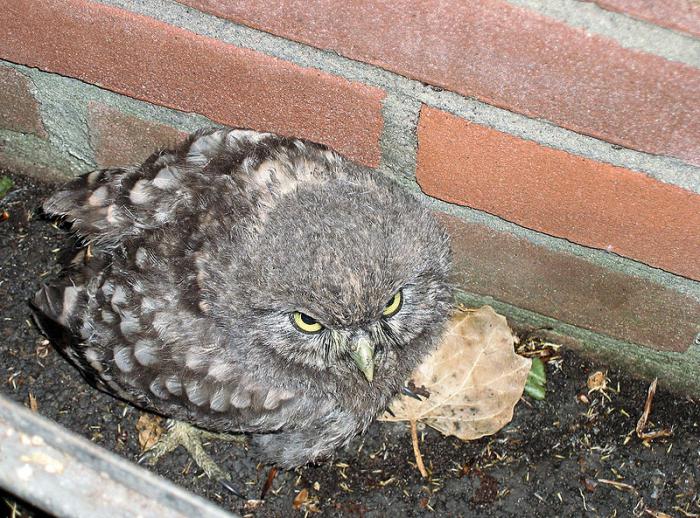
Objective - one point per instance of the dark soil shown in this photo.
(564, 456)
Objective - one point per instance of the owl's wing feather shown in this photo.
(224, 168)
(107, 205)
(58, 307)
(184, 368)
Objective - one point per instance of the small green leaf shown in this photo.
(535, 386)
(6, 184)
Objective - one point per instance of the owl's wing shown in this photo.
(107, 205)
(248, 405)
(235, 171)
(156, 353)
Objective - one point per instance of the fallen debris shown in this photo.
(470, 385)
(474, 379)
(149, 429)
(252, 504)
(536, 384)
(300, 499)
(597, 382)
(416, 449)
(549, 448)
(268, 482)
(642, 423)
(621, 486)
(33, 403)
(304, 502)
(657, 514)
(6, 184)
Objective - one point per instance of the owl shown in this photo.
(246, 282)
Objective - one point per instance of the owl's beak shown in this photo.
(362, 353)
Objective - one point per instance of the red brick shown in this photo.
(680, 15)
(119, 139)
(19, 110)
(153, 61)
(504, 55)
(551, 191)
(570, 288)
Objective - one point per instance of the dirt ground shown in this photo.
(573, 454)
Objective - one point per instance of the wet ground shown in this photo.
(574, 454)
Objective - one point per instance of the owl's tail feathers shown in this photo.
(46, 312)
(56, 311)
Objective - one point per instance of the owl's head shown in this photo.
(345, 275)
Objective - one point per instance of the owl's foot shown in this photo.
(192, 438)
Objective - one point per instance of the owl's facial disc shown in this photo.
(359, 345)
(362, 348)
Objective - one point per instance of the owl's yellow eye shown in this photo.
(394, 305)
(306, 323)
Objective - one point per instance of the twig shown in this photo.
(621, 486)
(657, 514)
(268, 482)
(416, 450)
(641, 424)
(685, 513)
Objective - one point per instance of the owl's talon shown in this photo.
(388, 411)
(152, 456)
(189, 437)
(227, 485)
(408, 392)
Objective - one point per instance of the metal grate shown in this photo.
(66, 475)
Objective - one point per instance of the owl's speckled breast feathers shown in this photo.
(249, 282)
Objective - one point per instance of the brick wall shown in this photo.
(558, 141)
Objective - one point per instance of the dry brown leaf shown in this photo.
(149, 429)
(474, 379)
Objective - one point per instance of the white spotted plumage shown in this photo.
(198, 258)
